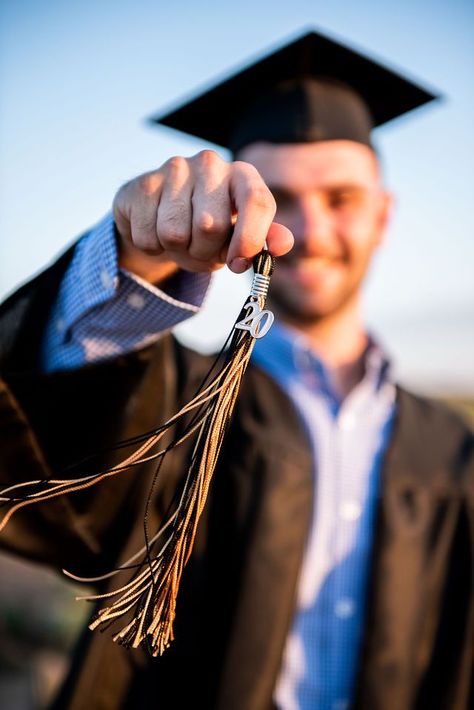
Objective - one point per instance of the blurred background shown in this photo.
(77, 81)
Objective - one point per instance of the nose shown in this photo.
(312, 224)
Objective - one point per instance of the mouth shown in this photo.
(311, 262)
(306, 269)
(317, 261)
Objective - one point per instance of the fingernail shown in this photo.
(239, 265)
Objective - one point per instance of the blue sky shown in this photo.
(77, 80)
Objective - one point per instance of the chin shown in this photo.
(306, 308)
(300, 311)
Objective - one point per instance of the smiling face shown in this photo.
(330, 195)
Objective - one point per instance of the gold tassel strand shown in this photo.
(206, 452)
(152, 592)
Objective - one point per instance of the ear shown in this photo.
(386, 207)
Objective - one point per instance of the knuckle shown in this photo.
(208, 165)
(247, 168)
(123, 189)
(253, 187)
(210, 225)
(175, 165)
(261, 197)
(148, 184)
(207, 158)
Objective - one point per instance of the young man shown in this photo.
(334, 561)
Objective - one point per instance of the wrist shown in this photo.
(153, 269)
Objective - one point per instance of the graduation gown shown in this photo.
(238, 593)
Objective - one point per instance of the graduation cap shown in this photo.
(311, 89)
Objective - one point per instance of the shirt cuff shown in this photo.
(102, 310)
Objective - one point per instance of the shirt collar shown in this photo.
(287, 354)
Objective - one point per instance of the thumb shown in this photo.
(279, 239)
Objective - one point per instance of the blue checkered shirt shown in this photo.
(102, 311)
(348, 439)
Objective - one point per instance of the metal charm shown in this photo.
(252, 321)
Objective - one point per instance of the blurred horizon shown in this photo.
(79, 81)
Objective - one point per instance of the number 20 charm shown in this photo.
(252, 321)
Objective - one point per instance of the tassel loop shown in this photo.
(260, 285)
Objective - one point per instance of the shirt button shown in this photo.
(344, 608)
(350, 510)
(136, 300)
(340, 705)
(105, 279)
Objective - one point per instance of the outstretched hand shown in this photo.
(196, 214)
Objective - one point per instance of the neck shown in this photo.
(340, 340)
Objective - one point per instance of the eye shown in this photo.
(283, 199)
(339, 199)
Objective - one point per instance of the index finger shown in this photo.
(255, 208)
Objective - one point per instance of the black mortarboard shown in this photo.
(311, 89)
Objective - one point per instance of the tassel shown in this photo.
(150, 596)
